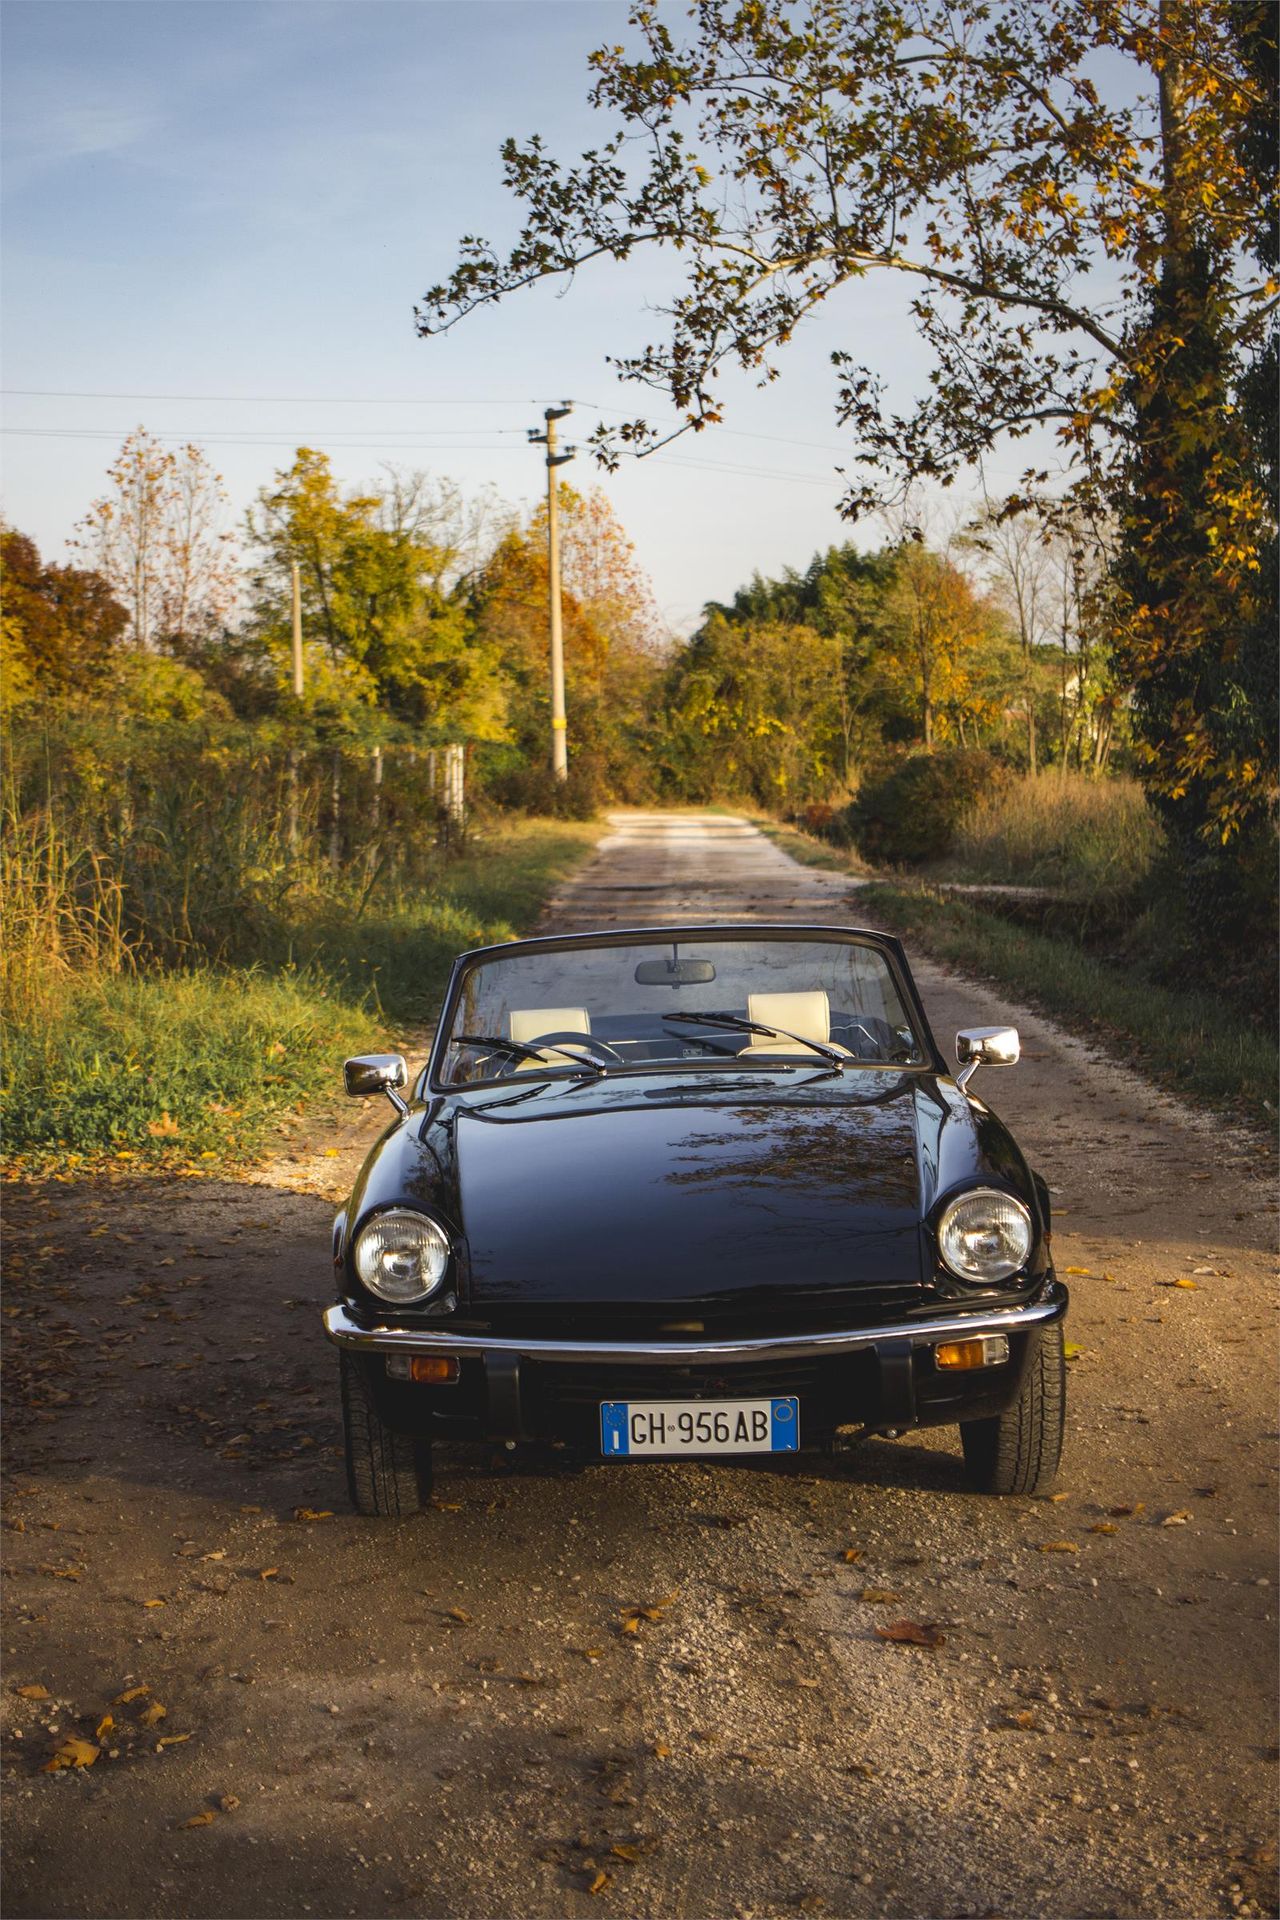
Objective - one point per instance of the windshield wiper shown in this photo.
(519, 1051)
(735, 1023)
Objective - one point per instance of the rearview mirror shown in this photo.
(674, 973)
(376, 1073)
(986, 1047)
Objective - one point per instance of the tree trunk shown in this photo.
(335, 813)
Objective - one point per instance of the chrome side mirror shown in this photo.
(985, 1047)
(377, 1073)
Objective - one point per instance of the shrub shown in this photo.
(911, 815)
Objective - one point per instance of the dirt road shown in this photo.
(446, 1718)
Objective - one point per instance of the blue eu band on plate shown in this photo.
(628, 1427)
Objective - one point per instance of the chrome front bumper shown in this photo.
(348, 1332)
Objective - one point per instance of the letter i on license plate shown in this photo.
(630, 1427)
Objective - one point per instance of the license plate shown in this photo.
(629, 1427)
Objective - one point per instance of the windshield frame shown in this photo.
(885, 944)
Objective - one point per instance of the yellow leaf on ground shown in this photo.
(32, 1693)
(879, 1596)
(1104, 1526)
(1178, 1519)
(205, 1819)
(130, 1693)
(74, 1752)
(171, 1740)
(599, 1882)
(268, 1573)
(312, 1513)
(1084, 1272)
(1058, 1546)
(104, 1726)
(850, 1554)
(152, 1716)
(153, 1603)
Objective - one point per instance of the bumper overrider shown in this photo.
(516, 1387)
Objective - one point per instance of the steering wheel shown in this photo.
(587, 1042)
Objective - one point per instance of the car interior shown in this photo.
(638, 1037)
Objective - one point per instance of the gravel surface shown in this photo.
(449, 1717)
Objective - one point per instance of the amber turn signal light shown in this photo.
(433, 1369)
(987, 1352)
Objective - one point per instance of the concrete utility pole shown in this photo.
(559, 743)
(292, 826)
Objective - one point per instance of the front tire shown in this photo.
(1018, 1451)
(388, 1473)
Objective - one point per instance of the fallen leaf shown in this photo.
(459, 1614)
(1104, 1526)
(268, 1573)
(592, 1653)
(910, 1633)
(1124, 1513)
(1071, 1351)
(661, 1751)
(153, 1603)
(311, 1513)
(1084, 1271)
(624, 1852)
(631, 1623)
(1025, 1719)
(879, 1596)
(808, 1683)
(1058, 1546)
(171, 1740)
(164, 1126)
(152, 1716)
(74, 1752)
(228, 1802)
(1178, 1519)
(32, 1693)
(205, 1819)
(251, 1509)
(130, 1693)
(850, 1554)
(104, 1726)
(600, 1881)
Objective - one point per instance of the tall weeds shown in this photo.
(1087, 837)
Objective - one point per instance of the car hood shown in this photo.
(663, 1200)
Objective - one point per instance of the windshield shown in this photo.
(687, 1002)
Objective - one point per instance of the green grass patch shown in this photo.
(1189, 1041)
(195, 1067)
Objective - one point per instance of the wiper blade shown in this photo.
(519, 1051)
(735, 1023)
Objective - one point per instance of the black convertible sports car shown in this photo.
(696, 1190)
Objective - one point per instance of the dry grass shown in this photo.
(1086, 837)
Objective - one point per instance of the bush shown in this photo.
(912, 815)
(1088, 837)
(536, 790)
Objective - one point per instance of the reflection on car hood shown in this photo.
(655, 1196)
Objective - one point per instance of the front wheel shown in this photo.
(388, 1473)
(1018, 1451)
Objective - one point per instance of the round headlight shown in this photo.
(985, 1236)
(402, 1256)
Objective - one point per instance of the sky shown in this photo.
(235, 205)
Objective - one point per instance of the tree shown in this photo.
(158, 538)
(379, 630)
(613, 637)
(1081, 260)
(941, 646)
(62, 628)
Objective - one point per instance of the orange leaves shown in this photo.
(74, 1752)
(164, 1128)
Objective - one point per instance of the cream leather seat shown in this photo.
(805, 1014)
(528, 1022)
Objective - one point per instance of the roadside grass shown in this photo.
(1193, 1043)
(1085, 837)
(193, 1067)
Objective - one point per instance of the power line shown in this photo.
(373, 400)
